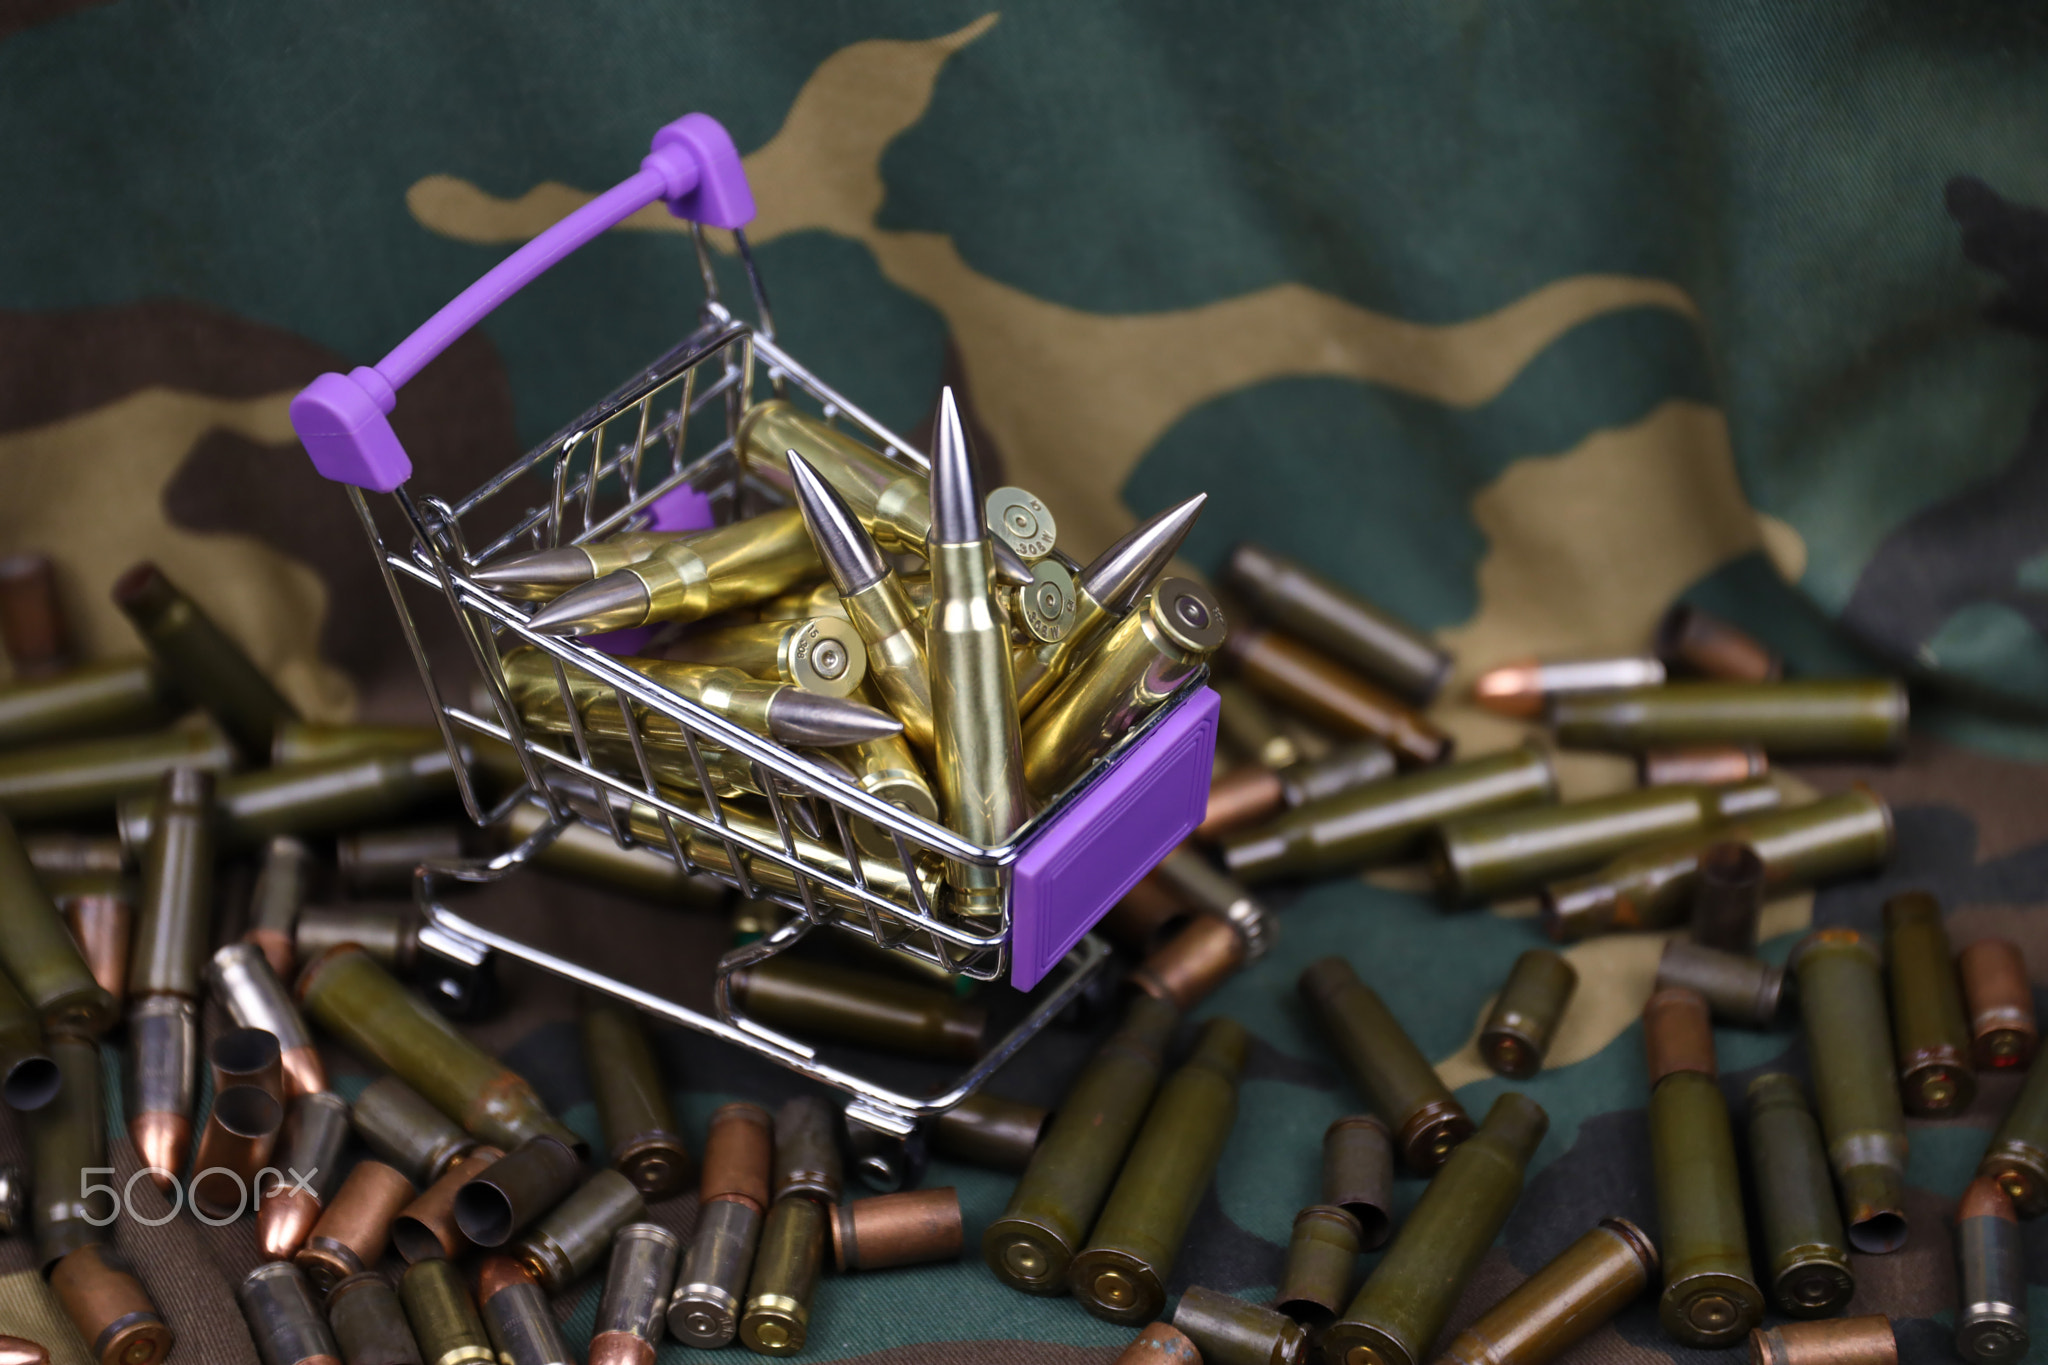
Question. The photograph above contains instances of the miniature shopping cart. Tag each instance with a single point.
(660, 452)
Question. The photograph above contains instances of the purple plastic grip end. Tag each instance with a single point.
(719, 195)
(1075, 869)
(340, 419)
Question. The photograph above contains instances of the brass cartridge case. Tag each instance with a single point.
(405, 1131)
(111, 1310)
(592, 855)
(890, 499)
(1807, 717)
(33, 632)
(2017, 1157)
(28, 1073)
(1229, 1331)
(284, 1317)
(1142, 661)
(1386, 821)
(1384, 1064)
(426, 1227)
(1838, 1341)
(510, 1193)
(1512, 852)
(355, 1227)
(443, 1316)
(308, 1157)
(1121, 1275)
(279, 896)
(888, 768)
(1697, 642)
(359, 1003)
(1930, 1033)
(570, 1238)
(1569, 1299)
(66, 1138)
(517, 1316)
(820, 654)
(1728, 898)
(989, 1130)
(377, 860)
(1525, 1015)
(1358, 1175)
(100, 913)
(1711, 765)
(777, 1318)
(1021, 521)
(704, 1311)
(256, 999)
(1339, 622)
(823, 1000)
(369, 1322)
(1402, 1308)
(692, 577)
(1841, 1001)
(240, 1134)
(2000, 999)
(637, 1281)
(1304, 680)
(204, 661)
(37, 952)
(1044, 610)
(111, 698)
(640, 1129)
(1055, 1202)
(894, 632)
(910, 1227)
(1805, 1251)
(1740, 990)
(319, 798)
(86, 778)
(1249, 729)
(1160, 1344)
(174, 918)
(1991, 1322)
(1651, 887)
(1322, 1255)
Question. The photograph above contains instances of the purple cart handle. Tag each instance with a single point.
(343, 419)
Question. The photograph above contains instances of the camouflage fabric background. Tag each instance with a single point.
(1524, 320)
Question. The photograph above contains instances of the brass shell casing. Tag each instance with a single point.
(899, 665)
(821, 654)
(777, 1317)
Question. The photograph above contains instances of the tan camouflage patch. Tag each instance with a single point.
(29, 1309)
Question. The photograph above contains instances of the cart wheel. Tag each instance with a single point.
(889, 1150)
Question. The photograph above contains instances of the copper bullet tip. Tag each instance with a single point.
(620, 1348)
(22, 1351)
(304, 1072)
(1986, 1198)
(277, 950)
(284, 1221)
(1514, 689)
(165, 1140)
(496, 1273)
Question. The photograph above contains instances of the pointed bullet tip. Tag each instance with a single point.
(956, 501)
(618, 601)
(843, 543)
(164, 1140)
(284, 1222)
(797, 717)
(1119, 575)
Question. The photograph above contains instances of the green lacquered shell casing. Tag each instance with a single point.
(1401, 1310)
(207, 664)
(1848, 1046)
(28, 1074)
(1651, 887)
(98, 699)
(1806, 1255)
(1228, 1330)
(1741, 990)
(824, 1000)
(1512, 853)
(1338, 621)
(1804, 717)
(37, 950)
(1384, 1064)
(1358, 1175)
(406, 1132)
(1247, 727)
(1047, 1219)
(1930, 1032)
(361, 1004)
(66, 1137)
(2018, 1155)
(90, 777)
(640, 1129)
(369, 1322)
(1571, 1297)
(989, 1130)
(1121, 1275)
(1710, 1296)
(571, 1238)
(372, 788)
(510, 1193)
(1386, 821)
(174, 915)
(1322, 1254)
(1525, 1015)
(443, 1315)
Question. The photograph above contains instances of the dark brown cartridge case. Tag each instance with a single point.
(988, 1130)
(910, 1227)
(1121, 1275)
(637, 1281)
(1358, 1175)
(443, 1315)
(517, 1316)
(2000, 999)
(37, 952)
(32, 627)
(632, 1101)
(1991, 1323)
(284, 1317)
(1728, 898)
(1305, 680)
(1806, 1255)
(426, 1227)
(514, 1190)
(807, 1158)
(1401, 1310)
(110, 1308)
(207, 664)
(1525, 1015)
(369, 1322)
(1050, 1212)
(1385, 1065)
(1322, 1255)
(1739, 989)
(1229, 1331)
(1929, 1030)
(1838, 1341)
(240, 1133)
(1697, 642)
(403, 1130)
(1844, 717)
(111, 698)
(355, 1227)
(1338, 621)
(2018, 1155)
(824, 1000)
(1569, 1299)
(1841, 1000)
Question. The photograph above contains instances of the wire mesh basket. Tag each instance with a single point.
(660, 452)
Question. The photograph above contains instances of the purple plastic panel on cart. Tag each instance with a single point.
(682, 508)
(1076, 868)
